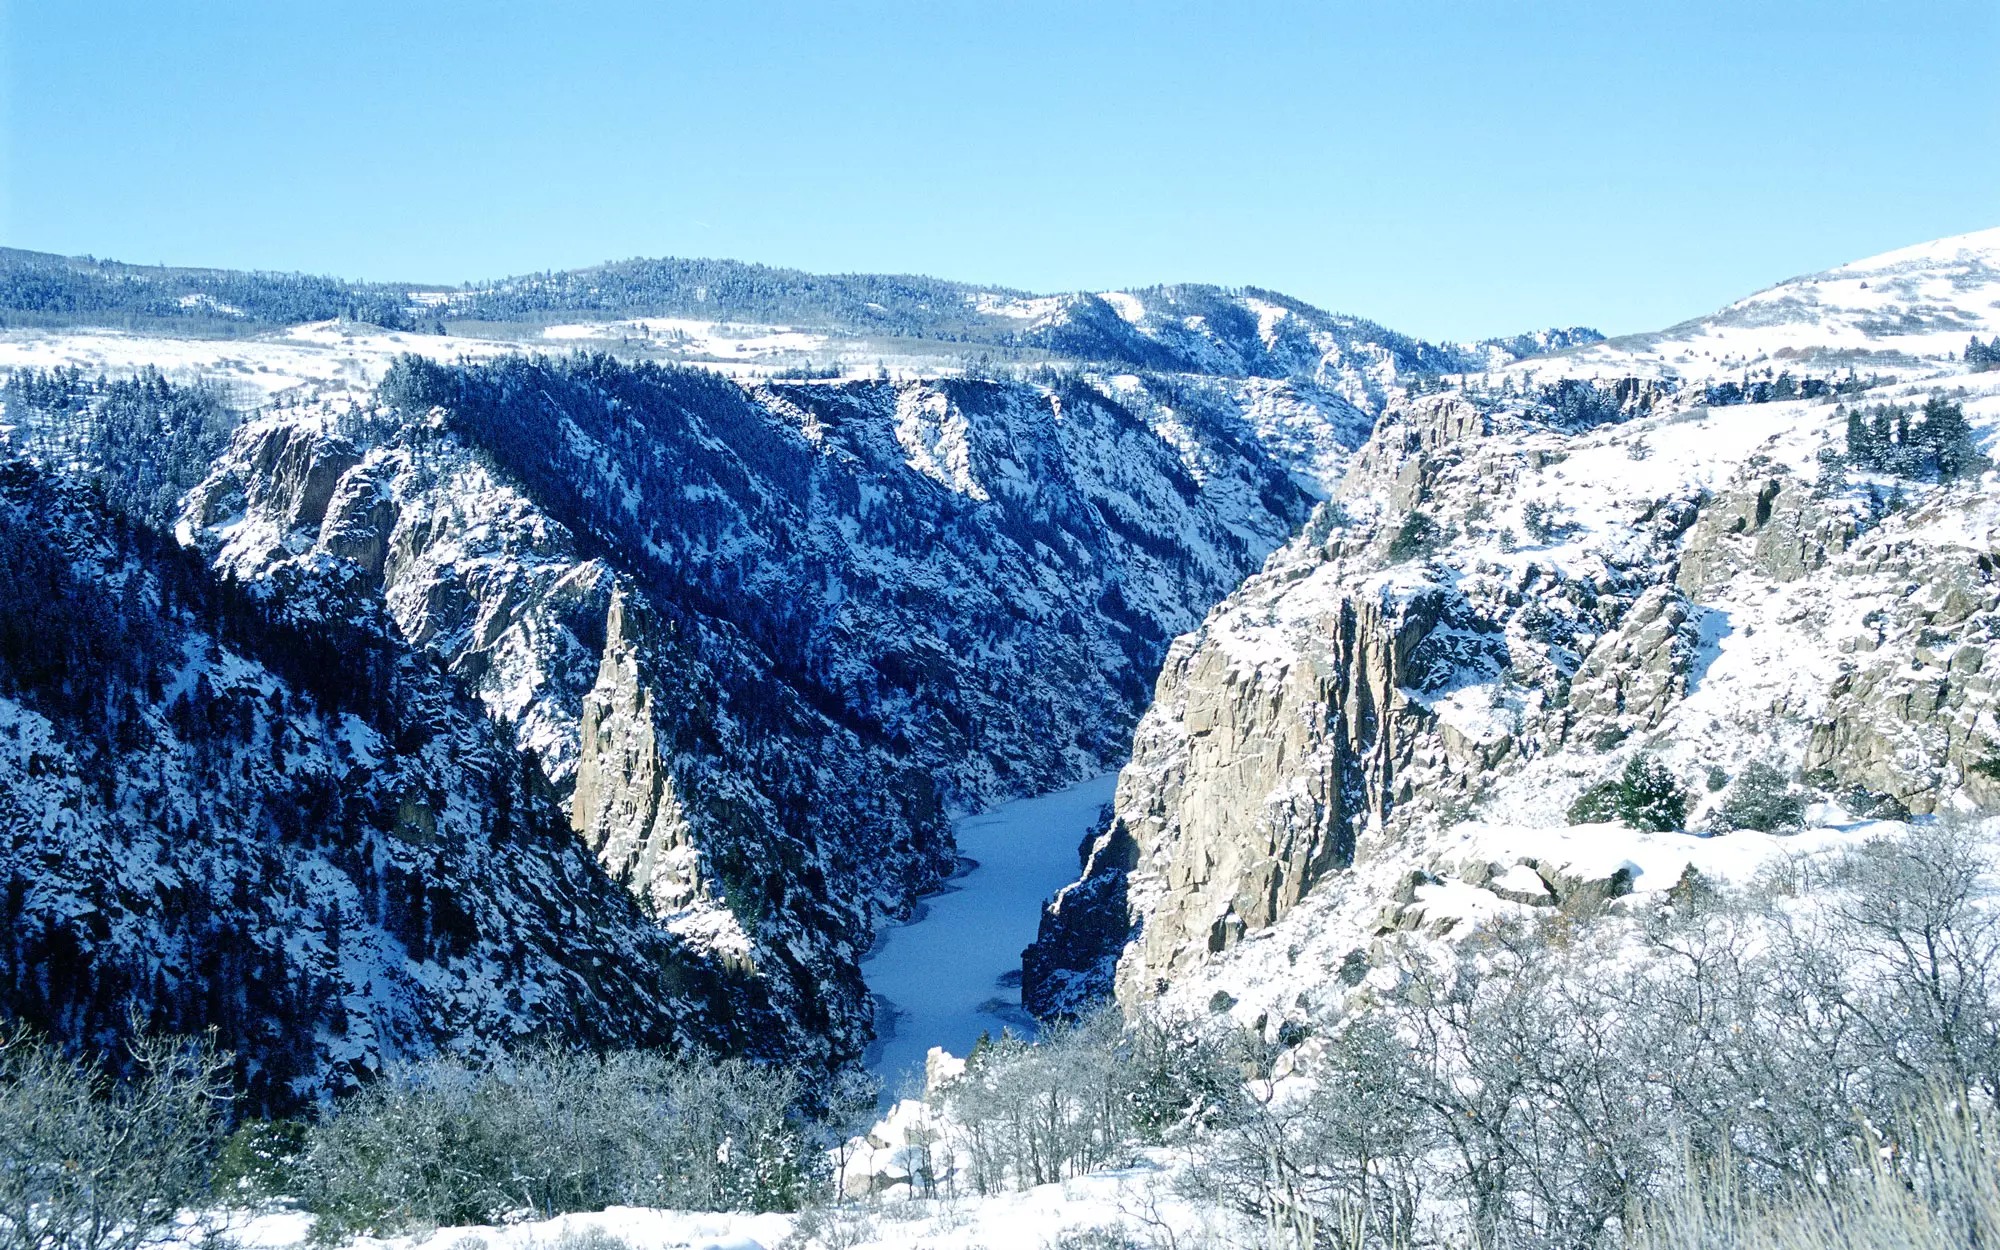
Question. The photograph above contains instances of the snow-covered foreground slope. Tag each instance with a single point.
(1134, 1201)
(952, 971)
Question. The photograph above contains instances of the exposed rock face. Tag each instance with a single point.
(1262, 758)
(1494, 612)
(1911, 722)
(1632, 677)
(1770, 524)
(467, 566)
(763, 642)
(625, 805)
(1247, 797)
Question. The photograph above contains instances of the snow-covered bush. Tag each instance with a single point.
(1931, 1186)
(1645, 796)
(1543, 1085)
(1043, 1112)
(1418, 537)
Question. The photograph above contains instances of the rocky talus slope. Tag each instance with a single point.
(1500, 608)
(761, 642)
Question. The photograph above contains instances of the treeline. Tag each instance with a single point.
(727, 290)
(1773, 388)
(1934, 443)
(1983, 356)
(141, 442)
(41, 289)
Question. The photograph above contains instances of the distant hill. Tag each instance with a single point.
(1189, 328)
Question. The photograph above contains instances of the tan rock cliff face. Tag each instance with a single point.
(626, 806)
(1251, 792)
(1254, 771)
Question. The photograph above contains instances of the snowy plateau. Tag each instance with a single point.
(651, 658)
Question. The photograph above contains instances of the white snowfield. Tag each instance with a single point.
(1136, 1199)
(641, 1228)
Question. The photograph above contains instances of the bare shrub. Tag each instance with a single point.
(556, 1131)
(89, 1162)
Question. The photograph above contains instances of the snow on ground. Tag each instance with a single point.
(1293, 968)
(937, 978)
(328, 357)
(1034, 308)
(322, 357)
(1126, 305)
(641, 1228)
(1137, 1199)
(727, 341)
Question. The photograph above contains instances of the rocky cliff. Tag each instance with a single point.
(1500, 608)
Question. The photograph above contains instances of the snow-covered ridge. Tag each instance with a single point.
(1905, 313)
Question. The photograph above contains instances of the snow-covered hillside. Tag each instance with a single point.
(252, 814)
(1905, 314)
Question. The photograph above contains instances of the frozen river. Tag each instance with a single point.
(955, 968)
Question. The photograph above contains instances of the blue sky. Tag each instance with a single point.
(1450, 169)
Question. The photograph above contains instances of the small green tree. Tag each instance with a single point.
(1418, 537)
(1762, 799)
(1597, 804)
(1649, 797)
(1644, 796)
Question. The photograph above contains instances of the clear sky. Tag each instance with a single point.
(1450, 169)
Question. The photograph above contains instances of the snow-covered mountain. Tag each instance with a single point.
(1527, 582)
(754, 640)
(257, 812)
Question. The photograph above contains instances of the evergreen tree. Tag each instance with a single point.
(1762, 799)
(1644, 796)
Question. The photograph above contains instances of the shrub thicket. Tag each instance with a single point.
(554, 1131)
(1762, 799)
(1539, 1093)
(96, 1159)
(1418, 537)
